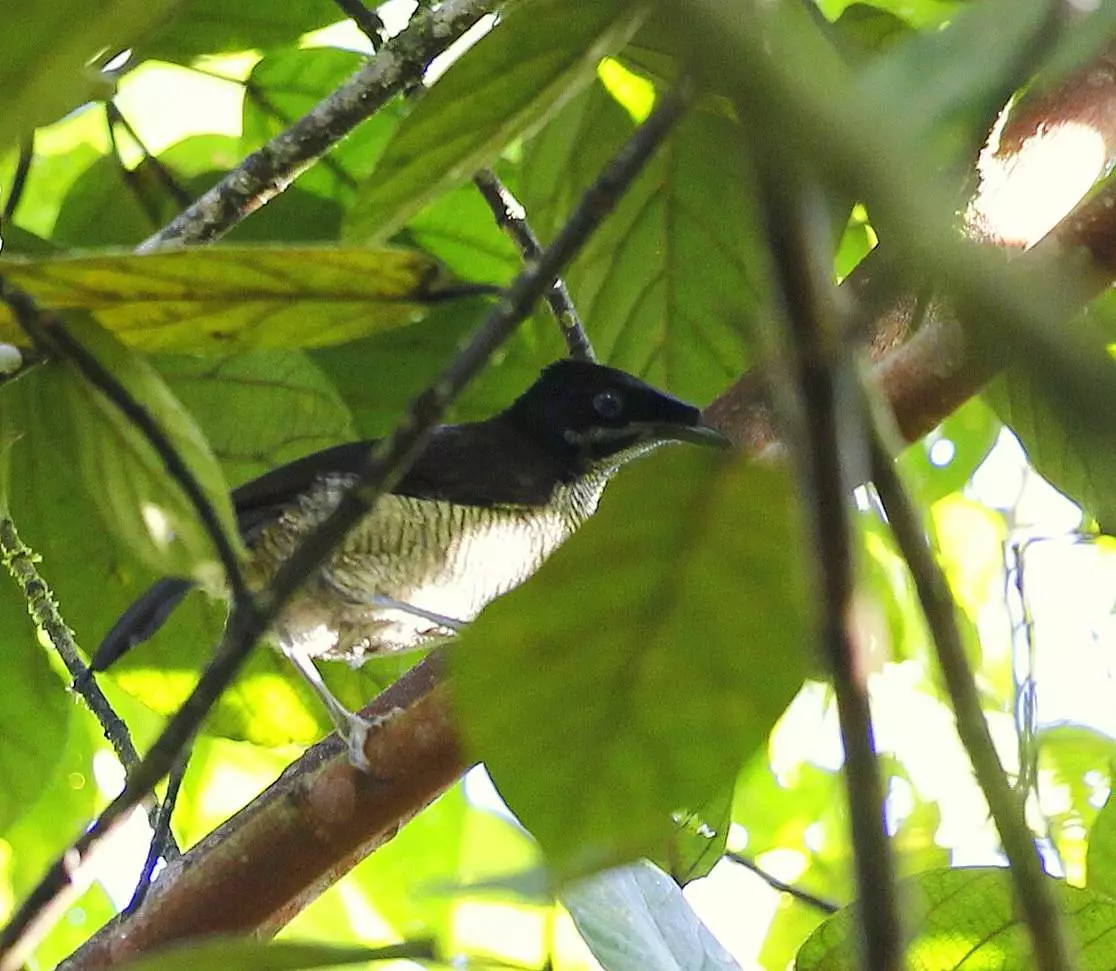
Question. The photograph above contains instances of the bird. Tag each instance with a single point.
(479, 511)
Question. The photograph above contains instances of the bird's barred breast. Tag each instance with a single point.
(439, 557)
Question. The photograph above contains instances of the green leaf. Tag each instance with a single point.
(1075, 456)
(34, 720)
(653, 655)
(233, 299)
(635, 919)
(538, 57)
(1100, 862)
(966, 919)
(45, 56)
(244, 954)
(259, 409)
(128, 480)
(670, 284)
(212, 26)
(967, 437)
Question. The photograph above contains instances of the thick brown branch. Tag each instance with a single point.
(319, 819)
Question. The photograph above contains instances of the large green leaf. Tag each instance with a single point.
(233, 299)
(652, 655)
(538, 57)
(46, 51)
(635, 919)
(213, 26)
(967, 919)
(670, 285)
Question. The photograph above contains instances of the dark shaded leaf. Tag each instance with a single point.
(212, 26)
(46, 52)
(653, 654)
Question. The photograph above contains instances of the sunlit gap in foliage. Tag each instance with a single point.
(634, 94)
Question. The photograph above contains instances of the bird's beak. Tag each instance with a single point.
(697, 434)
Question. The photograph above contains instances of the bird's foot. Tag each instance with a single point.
(354, 731)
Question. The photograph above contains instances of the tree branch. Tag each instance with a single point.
(267, 172)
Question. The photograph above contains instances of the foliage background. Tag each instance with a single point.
(280, 352)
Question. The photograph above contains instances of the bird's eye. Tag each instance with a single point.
(608, 404)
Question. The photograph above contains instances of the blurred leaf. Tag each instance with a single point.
(245, 954)
(944, 461)
(1075, 456)
(212, 27)
(967, 919)
(1080, 760)
(670, 703)
(233, 299)
(401, 879)
(46, 55)
(35, 719)
(1101, 859)
(671, 283)
(951, 84)
(863, 31)
(127, 478)
(528, 66)
(635, 919)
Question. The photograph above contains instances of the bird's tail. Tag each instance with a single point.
(140, 621)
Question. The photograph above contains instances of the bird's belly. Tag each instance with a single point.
(434, 558)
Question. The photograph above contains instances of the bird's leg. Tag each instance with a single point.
(449, 623)
(351, 727)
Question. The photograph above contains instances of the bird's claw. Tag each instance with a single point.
(355, 732)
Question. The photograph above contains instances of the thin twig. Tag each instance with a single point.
(165, 177)
(251, 617)
(1032, 886)
(19, 180)
(810, 899)
(265, 173)
(50, 335)
(43, 608)
(507, 210)
(367, 21)
(512, 219)
(163, 845)
(826, 436)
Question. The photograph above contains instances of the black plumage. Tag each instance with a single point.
(476, 515)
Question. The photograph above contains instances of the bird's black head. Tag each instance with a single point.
(591, 415)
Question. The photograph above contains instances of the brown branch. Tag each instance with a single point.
(321, 817)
